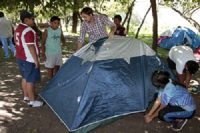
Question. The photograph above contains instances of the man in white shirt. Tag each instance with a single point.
(6, 34)
(182, 59)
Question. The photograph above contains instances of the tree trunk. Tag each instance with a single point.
(74, 21)
(129, 19)
(75, 16)
(136, 36)
(155, 24)
(189, 19)
(67, 20)
(128, 12)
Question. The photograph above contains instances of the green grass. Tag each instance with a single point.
(71, 47)
(148, 40)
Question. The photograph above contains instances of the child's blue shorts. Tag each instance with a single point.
(28, 71)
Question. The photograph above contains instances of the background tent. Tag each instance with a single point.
(102, 81)
(179, 36)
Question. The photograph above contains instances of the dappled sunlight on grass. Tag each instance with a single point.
(42, 71)
(15, 114)
(2, 83)
(9, 110)
(10, 102)
(2, 103)
(9, 80)
(3, 87)
(18, 76)
(64, 60)
(198, 118)
(7, 94)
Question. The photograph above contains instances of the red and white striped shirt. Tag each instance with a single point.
(24, 36)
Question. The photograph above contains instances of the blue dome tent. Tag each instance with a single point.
(102, 81)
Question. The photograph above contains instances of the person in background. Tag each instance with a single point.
(182, 59)
(51, 46)
(6, 35)
(27, 55)
(174, 103)
(95, 26)
(121, 31)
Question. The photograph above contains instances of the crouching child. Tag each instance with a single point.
(174, 104)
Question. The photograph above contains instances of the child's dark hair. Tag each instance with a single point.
(192, 66)
(87, 10)
(118, 17)
(1, 14)
(160, 78)
(54, 18)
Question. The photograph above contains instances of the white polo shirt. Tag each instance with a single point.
(180, 55)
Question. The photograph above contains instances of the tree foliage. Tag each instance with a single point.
(17, 5)
(66, 9)
(185, 8)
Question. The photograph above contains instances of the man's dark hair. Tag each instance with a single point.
(1, 14)
(87, 10)
(25, 14)
(54, 18)
(118, 17)
(192, 66)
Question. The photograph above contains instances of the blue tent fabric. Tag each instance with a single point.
(99, 86)
(181, 36)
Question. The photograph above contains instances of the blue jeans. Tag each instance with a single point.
(170, 113)
(5, 42)
(178, 115)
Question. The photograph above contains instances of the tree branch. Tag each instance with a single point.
(128, 12)
(136, 36)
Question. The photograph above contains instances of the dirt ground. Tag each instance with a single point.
(17, 117)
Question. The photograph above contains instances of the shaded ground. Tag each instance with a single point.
(17, 117)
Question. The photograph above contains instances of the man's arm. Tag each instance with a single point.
(30, 41)
(106, 21)
(188, 77)
(112, 31)
(185, 78)
(78, 46)
(181, 78)
(125, 32)
(34, 55)
(81, 38)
